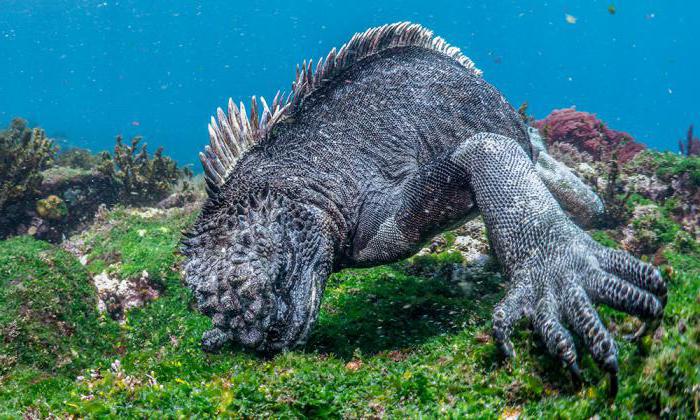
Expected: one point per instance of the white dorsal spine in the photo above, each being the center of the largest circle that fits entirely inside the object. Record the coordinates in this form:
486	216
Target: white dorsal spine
236	132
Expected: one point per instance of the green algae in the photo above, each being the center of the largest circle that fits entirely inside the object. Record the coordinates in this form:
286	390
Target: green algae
48	314
407	339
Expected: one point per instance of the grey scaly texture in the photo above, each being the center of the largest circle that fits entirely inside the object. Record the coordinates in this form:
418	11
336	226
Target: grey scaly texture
392	139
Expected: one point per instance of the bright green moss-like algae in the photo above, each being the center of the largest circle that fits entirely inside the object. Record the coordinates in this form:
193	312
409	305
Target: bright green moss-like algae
398	340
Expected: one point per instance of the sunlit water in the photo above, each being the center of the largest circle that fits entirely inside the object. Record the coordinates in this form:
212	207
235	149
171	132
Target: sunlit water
89	70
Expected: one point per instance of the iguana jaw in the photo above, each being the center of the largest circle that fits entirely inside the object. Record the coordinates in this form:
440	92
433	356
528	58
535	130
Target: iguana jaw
303	317
309	262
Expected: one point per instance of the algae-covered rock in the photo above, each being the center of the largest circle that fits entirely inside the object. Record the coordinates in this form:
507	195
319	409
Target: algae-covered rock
77	158
117	296
48	307
52	208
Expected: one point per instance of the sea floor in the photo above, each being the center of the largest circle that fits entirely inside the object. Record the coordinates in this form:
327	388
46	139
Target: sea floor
408	339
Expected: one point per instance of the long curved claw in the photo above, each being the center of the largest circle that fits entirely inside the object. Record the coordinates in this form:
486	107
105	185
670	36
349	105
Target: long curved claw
647	326
613	387
576	375
506	314
506	347
637	334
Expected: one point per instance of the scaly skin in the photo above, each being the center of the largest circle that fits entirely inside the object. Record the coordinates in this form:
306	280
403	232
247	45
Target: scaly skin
383	153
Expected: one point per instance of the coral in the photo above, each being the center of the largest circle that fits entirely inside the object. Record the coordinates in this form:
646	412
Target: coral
141	179
588	134
24	153
692	146
52	208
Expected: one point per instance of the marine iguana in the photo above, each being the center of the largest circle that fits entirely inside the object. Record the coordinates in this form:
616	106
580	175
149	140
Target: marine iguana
388	141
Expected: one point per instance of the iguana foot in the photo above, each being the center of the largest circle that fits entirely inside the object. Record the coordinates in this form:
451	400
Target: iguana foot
557	288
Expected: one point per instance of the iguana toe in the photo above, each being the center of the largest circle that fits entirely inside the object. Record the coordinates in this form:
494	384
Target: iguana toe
584	320
622	295
629	268
547	323
510	310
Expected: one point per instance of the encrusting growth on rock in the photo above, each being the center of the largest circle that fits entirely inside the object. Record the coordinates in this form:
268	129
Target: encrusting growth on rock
390	140
588	134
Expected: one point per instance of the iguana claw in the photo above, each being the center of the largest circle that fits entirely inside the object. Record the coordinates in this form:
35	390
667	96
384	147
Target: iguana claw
613	387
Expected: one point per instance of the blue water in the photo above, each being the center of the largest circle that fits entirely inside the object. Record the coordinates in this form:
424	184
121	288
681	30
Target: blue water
89	70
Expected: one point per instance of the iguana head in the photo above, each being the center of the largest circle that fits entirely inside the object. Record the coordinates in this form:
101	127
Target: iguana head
258	269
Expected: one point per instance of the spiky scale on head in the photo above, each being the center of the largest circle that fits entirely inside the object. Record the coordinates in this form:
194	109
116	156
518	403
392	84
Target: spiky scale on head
245	266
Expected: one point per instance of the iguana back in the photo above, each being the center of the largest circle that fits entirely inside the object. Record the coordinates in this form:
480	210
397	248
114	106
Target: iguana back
365	128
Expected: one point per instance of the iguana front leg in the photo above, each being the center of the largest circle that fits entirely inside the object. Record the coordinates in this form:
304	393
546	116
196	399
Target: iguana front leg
556	271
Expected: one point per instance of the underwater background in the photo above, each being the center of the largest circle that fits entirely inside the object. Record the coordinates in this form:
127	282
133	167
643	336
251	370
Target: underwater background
89	70
96	319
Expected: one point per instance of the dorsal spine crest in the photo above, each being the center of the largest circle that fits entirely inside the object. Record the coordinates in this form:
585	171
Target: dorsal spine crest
236	132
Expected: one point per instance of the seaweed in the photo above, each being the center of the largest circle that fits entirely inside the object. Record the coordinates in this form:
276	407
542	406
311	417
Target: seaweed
391	341
692	146
141	179
524	115
48	314
77	158
52	208
588	134
24	153
614	196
